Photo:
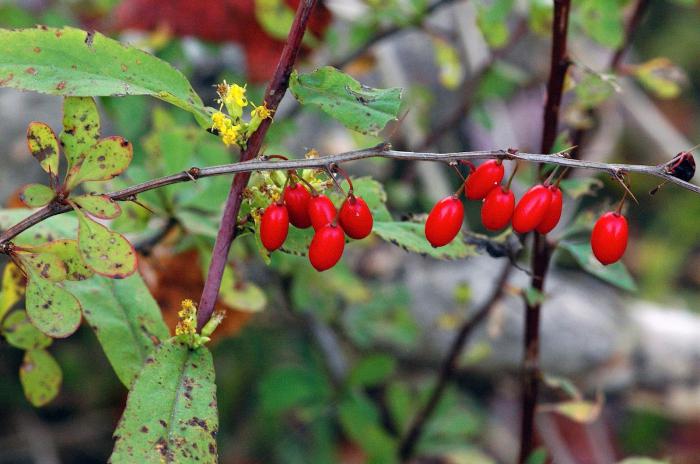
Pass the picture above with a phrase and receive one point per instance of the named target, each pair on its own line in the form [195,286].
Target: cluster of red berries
[303,209]
[539,210]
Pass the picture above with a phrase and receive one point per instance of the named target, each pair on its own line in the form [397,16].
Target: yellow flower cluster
[188,319]
[231,128]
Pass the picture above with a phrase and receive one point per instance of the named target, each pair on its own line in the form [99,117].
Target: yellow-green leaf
[244,296]
[105,160]
[20,333]
[47,265]
[43,146]
[81,128]
[36,195]
[106,252]
[100,206]
[51,308]
[67,251]
[40,376]
[12,288]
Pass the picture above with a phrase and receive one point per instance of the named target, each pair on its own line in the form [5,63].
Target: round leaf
[20,333]
[105,160]
[43,146]
[100,206]
[36,195]
[104,251]
[51,308]
[81,128]
[40,376]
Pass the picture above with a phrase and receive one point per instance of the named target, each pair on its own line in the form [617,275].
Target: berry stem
[512,176]
[336,168]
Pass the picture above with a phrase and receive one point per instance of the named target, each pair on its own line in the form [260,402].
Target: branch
[325,162]
[449,367]
[227,229]
[541,250]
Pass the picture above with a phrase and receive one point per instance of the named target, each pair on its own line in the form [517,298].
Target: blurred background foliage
[332,367]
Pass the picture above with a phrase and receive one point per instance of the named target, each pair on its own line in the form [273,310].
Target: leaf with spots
[411,237]
[45,264]
[20,333]
[106,252]
[51,308]
[40,376]
[12,290]
[36,195]
[362,109]
[81,128]
[43,146]
[68,253]
[171,412]
[72,62]
[125,318]
[106,159]
[100,206]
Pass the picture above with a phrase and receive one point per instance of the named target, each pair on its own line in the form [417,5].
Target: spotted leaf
[20,333]
[68,253]
[51,308]
[43,263]
[81,128]
[171,413]
[43,146]
[107,159]
[100,206]
[12,290]
[36,195]
[104,251]
[40,376]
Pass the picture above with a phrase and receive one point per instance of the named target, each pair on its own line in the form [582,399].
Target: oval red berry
[444,221]
[483,179]
[355,217]
[326,247]
[321,211]
[609,238]
[553,214]
[296,198]
[531,209]
[497,209]
[274,226]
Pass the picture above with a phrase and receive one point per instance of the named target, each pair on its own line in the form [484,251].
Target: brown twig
[379,151]
[541,252]
[450,365]
[227,229]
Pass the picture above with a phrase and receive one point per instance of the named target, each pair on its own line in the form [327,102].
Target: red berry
[480,182]
[609,238]
[297,198]
[355,217]
[321,211]
[274,226]
[531,209]
[326,247]
[551,218]
[497,208]
[444,221]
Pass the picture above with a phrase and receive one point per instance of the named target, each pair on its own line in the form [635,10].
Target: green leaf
[105,160]
[584,186]
[40,376]
[578,410]
[362,109]
[36,195]
[104,251]
[69,254]
[563,384]
[51,308]
[171,412]
[372,191]
[62,225]
[46,265]
[125,318]
[42,144]
[372,370]
[411,237]
[602,21]
[594,89]
[661,77]
[73,62]
[615,274]
[12,289]
[533,297]
[20,333]
[290,387]
[540,17]
[492,19]
[539,456]
[244,296]
[275,17]
[81,128]
[362,423]
[100,206]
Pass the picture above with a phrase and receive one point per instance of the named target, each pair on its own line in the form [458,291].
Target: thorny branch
[380,151]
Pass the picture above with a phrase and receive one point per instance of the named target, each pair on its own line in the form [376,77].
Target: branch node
[193,173]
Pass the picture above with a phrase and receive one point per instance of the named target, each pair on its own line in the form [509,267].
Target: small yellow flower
[236,96]
[261,112]
[188,319]
[220,121]
[229,135]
